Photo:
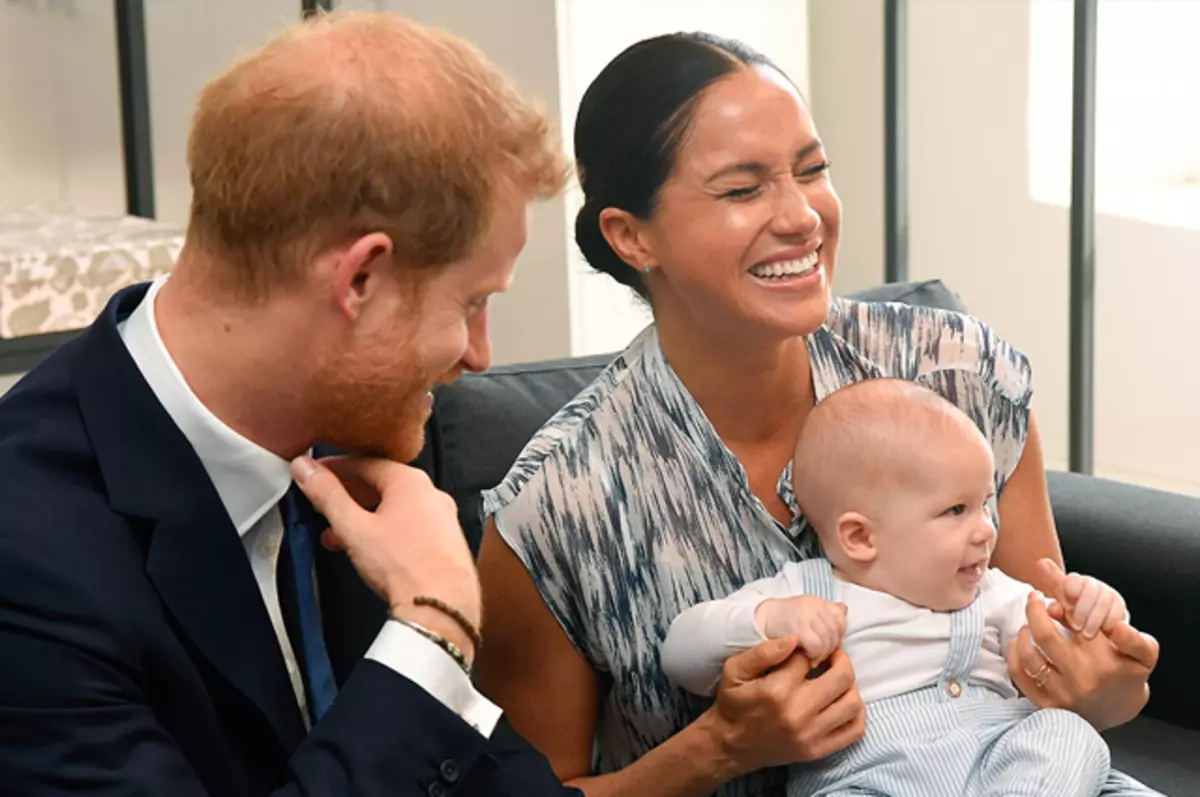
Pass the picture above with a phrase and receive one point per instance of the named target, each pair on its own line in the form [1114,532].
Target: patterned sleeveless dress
[626,508]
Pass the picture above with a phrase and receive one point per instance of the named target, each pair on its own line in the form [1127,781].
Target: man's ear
[359,272]
[855,534]
[626,235]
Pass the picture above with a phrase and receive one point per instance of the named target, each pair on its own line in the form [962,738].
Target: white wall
[187,44]
[59,118]
[846,62]
[532,321]
[60,137]
[975,225]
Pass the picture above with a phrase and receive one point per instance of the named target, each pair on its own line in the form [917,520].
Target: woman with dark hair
[665,483]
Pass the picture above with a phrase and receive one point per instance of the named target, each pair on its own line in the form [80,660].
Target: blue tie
[299,523]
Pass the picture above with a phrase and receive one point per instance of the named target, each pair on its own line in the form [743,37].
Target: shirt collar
[249,479]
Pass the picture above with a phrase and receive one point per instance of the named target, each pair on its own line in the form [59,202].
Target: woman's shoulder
[913,341]
[565,448]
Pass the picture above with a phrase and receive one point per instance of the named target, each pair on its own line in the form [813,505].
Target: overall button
[436,789]
[954,688]
[449,771]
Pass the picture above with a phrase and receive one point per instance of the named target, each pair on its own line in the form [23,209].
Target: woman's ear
[627,236]
[855,535]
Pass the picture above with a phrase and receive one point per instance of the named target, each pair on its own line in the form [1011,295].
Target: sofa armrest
[1146,544]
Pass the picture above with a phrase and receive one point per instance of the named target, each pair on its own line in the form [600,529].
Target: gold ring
[1041,676]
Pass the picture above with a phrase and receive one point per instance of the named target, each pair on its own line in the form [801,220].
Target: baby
[898,485]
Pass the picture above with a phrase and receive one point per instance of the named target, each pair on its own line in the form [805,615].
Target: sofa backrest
[481,423]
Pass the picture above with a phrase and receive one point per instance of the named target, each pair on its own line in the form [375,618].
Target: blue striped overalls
[956,739]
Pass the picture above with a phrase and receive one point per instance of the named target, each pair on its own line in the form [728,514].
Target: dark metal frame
[895,140]
[1081,417]
[309,8]
[135,107]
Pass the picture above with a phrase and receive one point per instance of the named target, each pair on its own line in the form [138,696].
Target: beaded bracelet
[455,615]
[446,645]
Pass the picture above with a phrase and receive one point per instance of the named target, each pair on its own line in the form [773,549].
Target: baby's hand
[818,624]
[1088,606]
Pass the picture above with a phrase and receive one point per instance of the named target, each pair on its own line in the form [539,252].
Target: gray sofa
[1144,542]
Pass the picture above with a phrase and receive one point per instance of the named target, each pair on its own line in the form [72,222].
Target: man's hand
[817,624]
[409,545]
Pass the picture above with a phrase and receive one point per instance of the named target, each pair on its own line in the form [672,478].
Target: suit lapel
[195,558]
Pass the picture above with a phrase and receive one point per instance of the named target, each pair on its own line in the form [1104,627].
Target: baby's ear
[854,535]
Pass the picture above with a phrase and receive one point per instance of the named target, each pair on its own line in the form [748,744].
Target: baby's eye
[957,509]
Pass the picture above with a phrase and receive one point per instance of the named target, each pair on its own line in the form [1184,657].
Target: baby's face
[933,543]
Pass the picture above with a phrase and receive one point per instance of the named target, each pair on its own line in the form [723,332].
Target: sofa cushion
[482,422]
[1161,755]
[1146,544]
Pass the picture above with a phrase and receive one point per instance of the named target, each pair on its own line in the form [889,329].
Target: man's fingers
[331,542]
[1138,646]
[369,478]
[751,664]
[326,492]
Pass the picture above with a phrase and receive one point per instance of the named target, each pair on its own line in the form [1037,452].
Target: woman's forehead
[754,114]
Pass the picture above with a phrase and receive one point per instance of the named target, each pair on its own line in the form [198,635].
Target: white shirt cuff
[403,650]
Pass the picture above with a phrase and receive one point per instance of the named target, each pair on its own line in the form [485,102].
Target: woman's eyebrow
[757,168]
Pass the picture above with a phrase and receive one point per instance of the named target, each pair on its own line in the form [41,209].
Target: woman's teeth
[787,268]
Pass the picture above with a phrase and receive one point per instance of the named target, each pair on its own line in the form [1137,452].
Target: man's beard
[373,408]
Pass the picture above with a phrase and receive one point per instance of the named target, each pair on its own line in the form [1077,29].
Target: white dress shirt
[250,482]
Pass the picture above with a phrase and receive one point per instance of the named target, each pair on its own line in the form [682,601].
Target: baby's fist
[818,624]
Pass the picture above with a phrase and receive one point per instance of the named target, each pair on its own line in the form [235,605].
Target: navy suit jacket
[136,656]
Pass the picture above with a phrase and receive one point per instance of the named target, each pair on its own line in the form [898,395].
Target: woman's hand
[1103,678]
[1094,606]
[768,712]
